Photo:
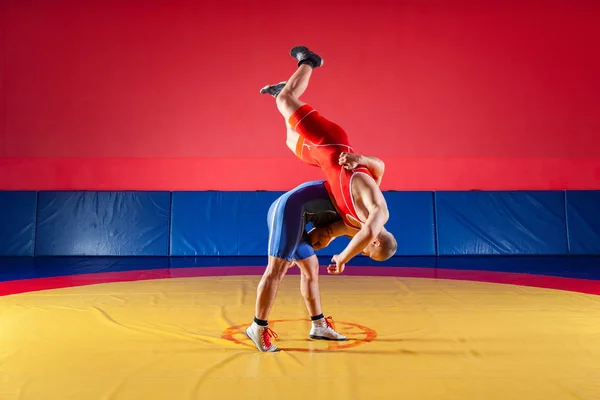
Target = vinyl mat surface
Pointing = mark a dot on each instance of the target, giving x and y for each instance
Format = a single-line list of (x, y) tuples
[(409, 337)]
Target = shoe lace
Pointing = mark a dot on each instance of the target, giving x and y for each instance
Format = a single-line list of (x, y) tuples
[(329, 322), (267, 334)]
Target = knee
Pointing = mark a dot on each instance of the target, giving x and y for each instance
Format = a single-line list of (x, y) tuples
[(309, 285), (284, 100), (276, 271)]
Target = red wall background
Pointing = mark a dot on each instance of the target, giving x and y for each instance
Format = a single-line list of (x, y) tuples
[(164, 94)]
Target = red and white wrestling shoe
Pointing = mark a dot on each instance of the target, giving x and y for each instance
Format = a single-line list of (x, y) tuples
[(261, 336), (323, 329)]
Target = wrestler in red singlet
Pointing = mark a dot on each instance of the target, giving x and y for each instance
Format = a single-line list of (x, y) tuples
[(320, 143)]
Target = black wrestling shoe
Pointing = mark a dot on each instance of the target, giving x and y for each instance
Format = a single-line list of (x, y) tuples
[(305, 56), (273, 90)]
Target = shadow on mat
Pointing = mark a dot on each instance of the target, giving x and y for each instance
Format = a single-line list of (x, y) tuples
[(396, 352), (379, 340)]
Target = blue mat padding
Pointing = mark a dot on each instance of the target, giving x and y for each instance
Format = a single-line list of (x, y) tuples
[(103, 224), (583, 222), (501, 223), (215, 224), (220, 223), (17, 223)]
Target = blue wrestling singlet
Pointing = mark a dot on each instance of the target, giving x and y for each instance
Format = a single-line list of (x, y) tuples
[(289, 214)]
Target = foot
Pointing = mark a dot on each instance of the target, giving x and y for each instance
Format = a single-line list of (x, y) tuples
[(273, 90), (323, 329), (305, 56), (261, 336)]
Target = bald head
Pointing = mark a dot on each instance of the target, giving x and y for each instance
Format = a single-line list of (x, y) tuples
[(383, 247), (387, 246)]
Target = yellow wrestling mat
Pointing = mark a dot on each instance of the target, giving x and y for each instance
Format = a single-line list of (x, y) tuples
[(410, 338)]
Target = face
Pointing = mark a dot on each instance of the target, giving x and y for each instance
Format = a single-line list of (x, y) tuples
[(372, 249)]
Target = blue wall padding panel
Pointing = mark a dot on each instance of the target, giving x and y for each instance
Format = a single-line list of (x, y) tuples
[(583, 222), (234, 224), (103, 223), (471, 223), (220, 223), (17, 223), (411, 221)]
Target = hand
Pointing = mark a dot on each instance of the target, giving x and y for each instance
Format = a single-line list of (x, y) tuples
[(337, 267), (349, 160)]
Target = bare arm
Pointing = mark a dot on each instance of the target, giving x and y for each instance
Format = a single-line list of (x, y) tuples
[(321, 237), (375, 166), (369, 231)]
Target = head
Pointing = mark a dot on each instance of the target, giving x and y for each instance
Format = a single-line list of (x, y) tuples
[(382, 248)]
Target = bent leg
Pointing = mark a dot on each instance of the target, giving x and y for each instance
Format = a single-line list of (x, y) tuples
[(288, 100), (309, 284), (286, 222), (287, 242), (269, 285), (259, 331), (301, 117), (322, 328)]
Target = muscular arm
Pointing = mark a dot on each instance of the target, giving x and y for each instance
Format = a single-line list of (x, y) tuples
[(375, 166), (369, 231)]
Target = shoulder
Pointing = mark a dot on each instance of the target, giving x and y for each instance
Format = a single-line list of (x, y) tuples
[(364, 178)]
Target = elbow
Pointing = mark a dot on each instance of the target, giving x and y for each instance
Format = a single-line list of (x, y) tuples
[(369, 233)]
